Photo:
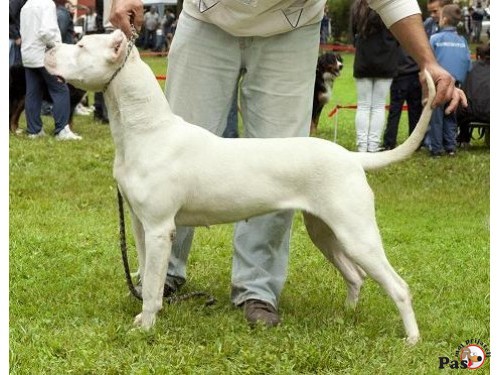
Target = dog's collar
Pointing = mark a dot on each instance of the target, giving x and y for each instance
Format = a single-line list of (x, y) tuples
[(130, 45)]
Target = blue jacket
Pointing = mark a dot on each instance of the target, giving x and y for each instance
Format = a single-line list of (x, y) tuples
[(452, 52), (430, 27)]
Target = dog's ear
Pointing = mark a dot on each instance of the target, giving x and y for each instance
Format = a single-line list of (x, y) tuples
[(117, 44)]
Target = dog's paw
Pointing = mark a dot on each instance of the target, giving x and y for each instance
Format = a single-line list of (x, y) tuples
[(145, 320), (412, 340), (351, 304)]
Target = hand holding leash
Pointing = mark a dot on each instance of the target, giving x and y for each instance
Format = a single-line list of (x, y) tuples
[(125, 14)]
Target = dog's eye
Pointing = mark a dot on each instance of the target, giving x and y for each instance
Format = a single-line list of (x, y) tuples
[(80, 45)]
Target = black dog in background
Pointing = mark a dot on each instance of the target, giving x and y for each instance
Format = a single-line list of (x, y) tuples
[(328, 68), (17, 94)]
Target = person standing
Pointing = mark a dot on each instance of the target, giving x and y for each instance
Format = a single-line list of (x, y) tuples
[(468, 23), (39, 31), (275, 53), (405, 87), (14, 34), (431, 23), (90, 24), (375, 64), (325, 29), (452, 52), (477, 23), (65, 22), (151, 23)]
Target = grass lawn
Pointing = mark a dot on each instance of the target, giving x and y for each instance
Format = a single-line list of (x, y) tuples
[(70, 311)]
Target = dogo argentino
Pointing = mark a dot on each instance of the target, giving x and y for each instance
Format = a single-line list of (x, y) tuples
[(169, 172)]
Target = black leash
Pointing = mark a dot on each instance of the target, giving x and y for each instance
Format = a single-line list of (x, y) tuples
[(132, 288)]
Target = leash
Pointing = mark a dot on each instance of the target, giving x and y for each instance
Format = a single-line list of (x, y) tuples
[(210, 300), (130, 45)]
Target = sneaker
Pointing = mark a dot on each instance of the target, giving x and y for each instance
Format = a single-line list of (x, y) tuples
[(257, 311), (451, 153), (81, 110), (67, 135), (40, 134)]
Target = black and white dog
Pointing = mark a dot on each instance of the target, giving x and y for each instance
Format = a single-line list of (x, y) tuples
[(328, 68)]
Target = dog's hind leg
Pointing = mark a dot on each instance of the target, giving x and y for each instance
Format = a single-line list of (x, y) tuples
[(324, 239), (358, 233), (158, 240)]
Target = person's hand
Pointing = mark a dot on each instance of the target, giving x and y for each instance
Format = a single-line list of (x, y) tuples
[(18, 41), (446, 92), (125, 13)]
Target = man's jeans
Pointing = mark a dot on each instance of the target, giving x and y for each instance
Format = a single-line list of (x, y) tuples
[(276, 90)]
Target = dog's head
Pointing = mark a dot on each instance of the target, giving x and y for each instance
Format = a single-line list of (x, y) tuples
[(330, 65), (90, 63)]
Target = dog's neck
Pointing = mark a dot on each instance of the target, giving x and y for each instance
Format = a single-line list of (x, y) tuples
[(127, 95)]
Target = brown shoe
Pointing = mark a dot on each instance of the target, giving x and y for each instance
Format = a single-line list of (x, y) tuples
[(257, 311)]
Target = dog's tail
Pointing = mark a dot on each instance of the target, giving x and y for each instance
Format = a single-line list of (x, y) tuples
[(377, 160)]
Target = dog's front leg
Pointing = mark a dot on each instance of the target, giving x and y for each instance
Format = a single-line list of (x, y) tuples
[(159, 241), (140, 244)]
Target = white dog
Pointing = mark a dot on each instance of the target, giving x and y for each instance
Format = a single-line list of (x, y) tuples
[(170, 173)]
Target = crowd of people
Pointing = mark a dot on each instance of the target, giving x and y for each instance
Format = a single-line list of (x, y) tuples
[(382, 66), (275, 53), (158, 30)]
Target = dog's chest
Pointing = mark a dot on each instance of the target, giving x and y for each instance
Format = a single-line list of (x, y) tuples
[(326, 85)]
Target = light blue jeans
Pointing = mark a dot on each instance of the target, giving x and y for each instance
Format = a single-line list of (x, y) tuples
[(370, 114), (276, 90)]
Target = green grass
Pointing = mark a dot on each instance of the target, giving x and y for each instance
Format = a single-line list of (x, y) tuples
[(70, 312)]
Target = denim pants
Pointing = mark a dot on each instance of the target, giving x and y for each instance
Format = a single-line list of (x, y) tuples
[(404, 88), (277, 82), (443, 131), (370, 114), (36, 79), (14, 53)]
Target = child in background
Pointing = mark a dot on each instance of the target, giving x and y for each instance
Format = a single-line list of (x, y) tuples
[(452, 53)]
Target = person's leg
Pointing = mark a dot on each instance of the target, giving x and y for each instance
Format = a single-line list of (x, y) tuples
[(436, 131), (397, 100), (204, 66), (450, 133), (364, 88), (33, 101), (381, 89), (59, 93), (414, 101), (12, 52), (276, 93)]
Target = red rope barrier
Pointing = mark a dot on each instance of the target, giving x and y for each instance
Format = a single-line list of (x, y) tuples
[(337, 47), (335, 109)]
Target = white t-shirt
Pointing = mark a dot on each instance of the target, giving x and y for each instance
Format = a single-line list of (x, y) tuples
[(271, 17), (38, 29)]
